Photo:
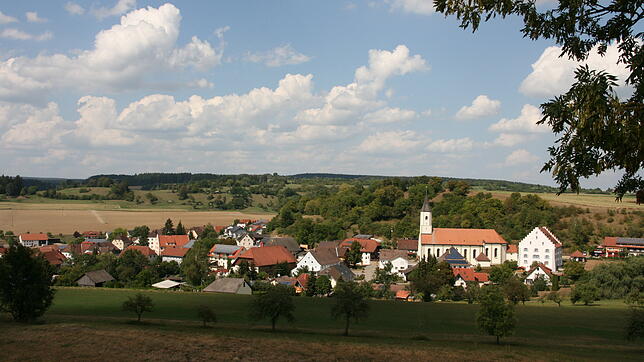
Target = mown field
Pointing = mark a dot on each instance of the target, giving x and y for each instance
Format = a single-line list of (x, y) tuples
[(65, 220), (82, 320), (592, 201)]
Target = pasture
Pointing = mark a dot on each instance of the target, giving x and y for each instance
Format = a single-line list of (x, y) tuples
[(404, 331)]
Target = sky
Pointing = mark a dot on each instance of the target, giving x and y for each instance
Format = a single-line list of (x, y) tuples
[(381, 87)]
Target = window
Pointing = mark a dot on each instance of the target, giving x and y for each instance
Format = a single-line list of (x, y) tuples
[(465, 253), (546, 263), (487, 251), (547, 250), (525, 261), (536, 250), (525, 255), (535, 257), (547, 256), (525, 249), (496, 252), (426, 217), (438, 251)]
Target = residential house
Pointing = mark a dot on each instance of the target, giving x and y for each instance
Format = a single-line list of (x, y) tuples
[(512, 253), (33, 240), (540, 246), (468, 275), (397, 258), (454, 259), (98, 246), (246, 241), (174, 254), (222, 256), (52, 254), (167, 241), (483, 261), (266, 257), (337, 273), (579, 256), (408, 245), (92, 234), (288, 242), (195, 232), (368, 248), (615, 247), (145, 250), (96, 278), (539, 270), (229, 285), (468, 242), (121, 242), (317, 259)]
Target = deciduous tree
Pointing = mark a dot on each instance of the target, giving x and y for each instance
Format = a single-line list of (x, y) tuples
[(495, 316), (275, 303), (350, 304), (138, 305)]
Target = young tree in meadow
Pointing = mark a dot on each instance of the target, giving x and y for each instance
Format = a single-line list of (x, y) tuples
[(138, 305), (25, 284), (206, 314), (350, 304), (555, 297), (495, 316), (275, 303)]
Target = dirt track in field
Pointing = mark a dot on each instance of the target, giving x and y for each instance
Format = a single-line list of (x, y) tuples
[(67, 221)]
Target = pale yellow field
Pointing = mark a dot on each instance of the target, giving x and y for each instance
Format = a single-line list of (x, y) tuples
[(581, 200), (46, 218)]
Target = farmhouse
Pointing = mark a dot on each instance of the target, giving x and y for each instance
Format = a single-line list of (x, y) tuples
[(469, 243), (316, 260), (615, 247), (33, 240), (368, 248), (96, 278), (469, 275), (539, 270), (222, 255), (52, 254), (266, 257), (288, 242), (408, 245), (160, 242), (174, 254), (540, 246), (578, 256), (229, 285), (397, 258), (338, 272), (121, 242)]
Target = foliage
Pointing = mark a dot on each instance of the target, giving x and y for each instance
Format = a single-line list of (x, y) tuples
[(429, 276), (500, 274), (168, 228), (585, 292), (322, 285), (574, 270), (617, 279), (275, 303), (142, 233), (555, 297), (515, 290), (354, 256), (206, 314), (195, 265), (25, 284), (538, 284), (495, 317), (635, 323), (597, 131), (138, 305), (180, 229), (350, 303)]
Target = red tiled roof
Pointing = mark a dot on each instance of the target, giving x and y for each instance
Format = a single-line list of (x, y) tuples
[(173, 240), (366, 245), (550, 236), (543, 267), (611, 241), (34, 237), (176, 252), (469, 275), (577, 254), (142, 249), (303, 279), (482, 257), (513, 248), (267, 255), (52, 255), (219, 228), (482, 277), (408, 244), (402, 294), (446, 236)]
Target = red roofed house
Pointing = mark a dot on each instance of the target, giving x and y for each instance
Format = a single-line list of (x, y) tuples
[(33, 240), (146, 251), (539, 270), (512, 253), (368, 247), (540, 246), (578, 256), (174, 254), (167, 241), (409, 245), (470, 243), (469, 275), (53, 255), (266, 257), (615, 247)]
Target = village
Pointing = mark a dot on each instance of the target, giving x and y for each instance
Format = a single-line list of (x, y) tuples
[(245, 258)]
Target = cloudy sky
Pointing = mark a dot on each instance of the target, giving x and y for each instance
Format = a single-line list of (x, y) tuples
[(383, 87)]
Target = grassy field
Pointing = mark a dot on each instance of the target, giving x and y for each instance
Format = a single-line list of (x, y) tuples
[(405, 331), (592, 201)]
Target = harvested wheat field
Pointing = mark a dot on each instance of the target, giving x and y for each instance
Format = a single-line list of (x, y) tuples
[(67, 221)]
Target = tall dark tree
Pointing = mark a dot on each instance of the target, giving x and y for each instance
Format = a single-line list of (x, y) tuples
[(597, 129), (275, 303), (495, 316), (354, 256), (168, 228), (429, 276), (25, 284), (142, 233), (180, 229), (350, 304)]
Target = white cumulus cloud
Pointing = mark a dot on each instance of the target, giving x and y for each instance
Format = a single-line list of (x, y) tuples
[(279, 56), (390, 115), (6, 19), (11, 33), (482, 106), (390, 142), (33, 17), (455, 145), (520, 157), (510, 139), (422, 7), (553, 75), (74, 8), (525, 122), (121, 7)]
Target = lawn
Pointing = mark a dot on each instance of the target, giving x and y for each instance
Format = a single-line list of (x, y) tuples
[(444, 330)]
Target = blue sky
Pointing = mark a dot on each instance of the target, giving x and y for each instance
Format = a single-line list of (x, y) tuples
[(363, 87)]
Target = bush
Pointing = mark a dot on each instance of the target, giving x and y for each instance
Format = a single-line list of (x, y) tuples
[(138, 304), (206, 314)]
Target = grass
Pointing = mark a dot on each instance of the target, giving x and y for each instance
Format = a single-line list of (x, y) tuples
[(594, 201), (407, 330)]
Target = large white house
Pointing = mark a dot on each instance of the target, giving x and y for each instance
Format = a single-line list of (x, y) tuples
[(316, 260), (470, 243), (540, 246)]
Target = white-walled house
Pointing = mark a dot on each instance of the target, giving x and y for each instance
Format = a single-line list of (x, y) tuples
[(540, 246), (246, 241), (222, 256), (537, 271), (397, 258), (33, 240), (512, 253), (316, 260)]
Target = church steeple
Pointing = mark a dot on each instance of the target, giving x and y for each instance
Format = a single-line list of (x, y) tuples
[(425, 217), (426, 207)]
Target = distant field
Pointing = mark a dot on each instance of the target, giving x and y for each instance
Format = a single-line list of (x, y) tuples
[(582, 200), (394, 330), (61, 218)]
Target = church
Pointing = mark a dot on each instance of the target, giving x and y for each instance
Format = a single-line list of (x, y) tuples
[(478, 246)]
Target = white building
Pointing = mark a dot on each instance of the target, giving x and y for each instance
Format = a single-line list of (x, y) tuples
[(540, 246), (397, 258), (538, 271), (316, 260), (33, 240), (470, 243)]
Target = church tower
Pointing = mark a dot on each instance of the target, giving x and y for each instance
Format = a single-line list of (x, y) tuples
[(426, 218)]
